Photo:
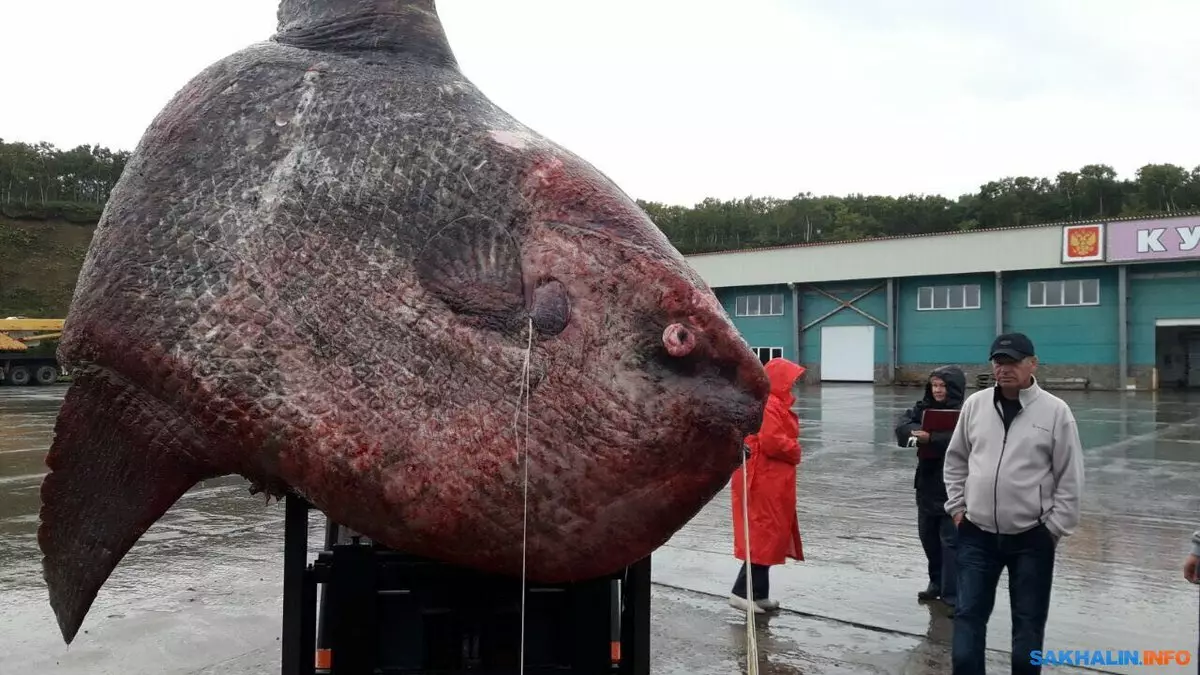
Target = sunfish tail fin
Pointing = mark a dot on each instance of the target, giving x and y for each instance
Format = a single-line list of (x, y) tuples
[(119, 460)]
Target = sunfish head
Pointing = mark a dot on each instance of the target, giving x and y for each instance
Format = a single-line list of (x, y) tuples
[(601, 279), (639, 389)]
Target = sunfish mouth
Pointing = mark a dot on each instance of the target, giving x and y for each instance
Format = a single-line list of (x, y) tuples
[(739, 413)]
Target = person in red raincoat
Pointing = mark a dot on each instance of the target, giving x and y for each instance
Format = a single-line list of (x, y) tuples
[(771, 482)]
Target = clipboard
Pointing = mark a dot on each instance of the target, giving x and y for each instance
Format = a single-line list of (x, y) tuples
[(939, 420)]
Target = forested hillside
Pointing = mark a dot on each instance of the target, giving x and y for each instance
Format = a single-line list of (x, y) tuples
[(1093, 191), (42, 183)]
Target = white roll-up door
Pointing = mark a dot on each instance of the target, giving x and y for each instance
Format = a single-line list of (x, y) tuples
[(848, 353)]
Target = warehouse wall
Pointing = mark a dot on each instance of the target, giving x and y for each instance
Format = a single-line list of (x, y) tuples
[(762, 331), (930, 336), (1160, 291), (1066, 335), (814, 305), (1072, 341)]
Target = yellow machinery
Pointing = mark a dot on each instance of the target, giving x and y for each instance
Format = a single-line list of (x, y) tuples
[(24, 357)]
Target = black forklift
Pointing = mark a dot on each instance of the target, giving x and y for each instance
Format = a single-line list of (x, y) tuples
[(362, 609)]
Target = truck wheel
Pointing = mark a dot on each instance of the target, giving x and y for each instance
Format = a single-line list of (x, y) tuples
[(18, 375), (45, 375)]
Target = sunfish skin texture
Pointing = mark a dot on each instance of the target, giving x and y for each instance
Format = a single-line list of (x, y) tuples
[(321, 270)]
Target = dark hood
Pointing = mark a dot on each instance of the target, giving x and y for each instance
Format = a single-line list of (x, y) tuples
[(956, 387)]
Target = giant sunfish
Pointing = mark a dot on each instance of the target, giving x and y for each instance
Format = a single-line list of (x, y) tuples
[(326, 267)]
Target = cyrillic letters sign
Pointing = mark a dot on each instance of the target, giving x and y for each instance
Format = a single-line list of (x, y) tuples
[(1161, 239)]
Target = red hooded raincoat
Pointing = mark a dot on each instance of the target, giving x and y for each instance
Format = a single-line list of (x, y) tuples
[(771, 476)]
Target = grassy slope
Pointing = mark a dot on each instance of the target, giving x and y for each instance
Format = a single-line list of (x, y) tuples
[(39, 263)]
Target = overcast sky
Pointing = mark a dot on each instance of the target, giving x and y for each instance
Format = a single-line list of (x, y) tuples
[(677, 100)]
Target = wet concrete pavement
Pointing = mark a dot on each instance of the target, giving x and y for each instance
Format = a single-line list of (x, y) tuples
[(201, 592), (1118, 581)]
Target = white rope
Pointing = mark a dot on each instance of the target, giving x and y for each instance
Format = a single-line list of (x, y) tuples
[(525, 462), (751, 633)]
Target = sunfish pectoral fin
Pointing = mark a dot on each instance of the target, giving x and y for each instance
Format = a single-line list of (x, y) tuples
[(117, 463), (474, 265)]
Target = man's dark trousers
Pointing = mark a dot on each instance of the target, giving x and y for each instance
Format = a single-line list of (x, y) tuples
[(1029, 557)]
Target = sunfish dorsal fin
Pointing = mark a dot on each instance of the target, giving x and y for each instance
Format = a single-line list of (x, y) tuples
[(410, 28)]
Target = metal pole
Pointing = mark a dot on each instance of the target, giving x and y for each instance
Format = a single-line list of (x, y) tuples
[(795, 321), (891, 336), (296, 658), (323, 647), (1123, 325), (999, 302)]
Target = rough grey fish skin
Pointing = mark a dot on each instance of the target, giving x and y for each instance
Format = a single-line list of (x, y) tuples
[(321, 270)]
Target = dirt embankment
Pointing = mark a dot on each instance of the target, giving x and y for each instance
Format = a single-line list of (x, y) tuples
[(39, 264)]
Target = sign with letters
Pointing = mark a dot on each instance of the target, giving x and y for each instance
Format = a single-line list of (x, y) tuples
[(1157, 239)]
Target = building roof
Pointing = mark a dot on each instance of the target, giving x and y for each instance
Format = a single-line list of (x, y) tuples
[(982, 251), (951, 233)]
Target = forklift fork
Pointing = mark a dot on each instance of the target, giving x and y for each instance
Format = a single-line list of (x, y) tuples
[(385, 612)]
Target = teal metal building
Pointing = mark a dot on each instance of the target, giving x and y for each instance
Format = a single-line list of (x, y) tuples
[(1109, 304)]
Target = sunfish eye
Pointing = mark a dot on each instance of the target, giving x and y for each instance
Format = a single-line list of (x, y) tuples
[(551, 310)]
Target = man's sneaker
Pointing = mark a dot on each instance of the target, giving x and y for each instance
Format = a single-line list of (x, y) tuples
[(768, 605), (738, 602), (931, 592)]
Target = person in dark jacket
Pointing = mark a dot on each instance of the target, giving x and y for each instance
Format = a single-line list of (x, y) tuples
[(946, 388)]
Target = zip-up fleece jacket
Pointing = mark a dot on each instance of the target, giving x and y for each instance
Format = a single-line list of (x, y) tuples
[(1011, 480)]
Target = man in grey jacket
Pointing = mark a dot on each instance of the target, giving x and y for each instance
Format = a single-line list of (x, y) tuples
[(1014, 474)]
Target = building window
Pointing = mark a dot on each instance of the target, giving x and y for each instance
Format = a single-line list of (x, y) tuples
[(770, 304), (1068, 293), (767, 353), (959, 296)]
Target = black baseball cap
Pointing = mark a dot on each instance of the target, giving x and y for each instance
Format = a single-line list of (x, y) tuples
[(1013, 345)]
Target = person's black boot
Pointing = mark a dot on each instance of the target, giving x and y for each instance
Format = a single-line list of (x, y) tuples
[(931, 592)]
